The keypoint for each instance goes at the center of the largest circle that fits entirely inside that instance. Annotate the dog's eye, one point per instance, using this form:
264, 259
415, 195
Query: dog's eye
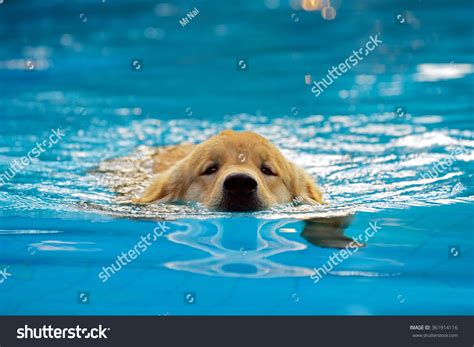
267, 171
210, 170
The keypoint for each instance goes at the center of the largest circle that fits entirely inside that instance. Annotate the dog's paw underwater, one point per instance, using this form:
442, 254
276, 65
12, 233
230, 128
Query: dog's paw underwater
232, 171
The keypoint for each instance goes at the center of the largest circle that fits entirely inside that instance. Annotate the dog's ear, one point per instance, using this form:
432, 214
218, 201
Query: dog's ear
304, 188
167, 186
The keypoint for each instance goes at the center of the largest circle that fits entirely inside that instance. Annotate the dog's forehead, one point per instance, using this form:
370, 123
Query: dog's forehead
241, 139
248, 142
239, 148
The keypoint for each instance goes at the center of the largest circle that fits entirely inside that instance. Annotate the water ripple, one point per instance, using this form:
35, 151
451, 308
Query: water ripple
362, 162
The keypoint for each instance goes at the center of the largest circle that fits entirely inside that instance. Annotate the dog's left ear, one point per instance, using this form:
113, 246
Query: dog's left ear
304, 188
168, 186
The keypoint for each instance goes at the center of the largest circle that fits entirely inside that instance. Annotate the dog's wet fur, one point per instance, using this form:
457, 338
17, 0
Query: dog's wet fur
232, 171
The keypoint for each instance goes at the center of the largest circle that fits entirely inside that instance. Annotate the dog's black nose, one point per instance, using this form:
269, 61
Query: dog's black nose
240, 184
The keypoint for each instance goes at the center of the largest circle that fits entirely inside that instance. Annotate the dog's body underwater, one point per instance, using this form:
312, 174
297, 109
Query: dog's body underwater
232, 171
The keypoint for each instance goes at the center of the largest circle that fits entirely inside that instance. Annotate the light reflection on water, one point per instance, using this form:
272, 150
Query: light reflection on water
370, 163
255, 248
233, 252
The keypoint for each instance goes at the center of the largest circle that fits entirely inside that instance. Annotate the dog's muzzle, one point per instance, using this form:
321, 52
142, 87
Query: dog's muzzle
240, 193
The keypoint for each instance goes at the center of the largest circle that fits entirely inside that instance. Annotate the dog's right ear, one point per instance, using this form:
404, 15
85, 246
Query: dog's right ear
168, 186
303, 186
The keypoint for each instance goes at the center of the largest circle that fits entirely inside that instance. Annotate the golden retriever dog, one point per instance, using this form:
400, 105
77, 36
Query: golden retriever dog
232, 171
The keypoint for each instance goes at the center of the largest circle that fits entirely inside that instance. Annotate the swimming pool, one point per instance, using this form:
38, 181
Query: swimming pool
389, 141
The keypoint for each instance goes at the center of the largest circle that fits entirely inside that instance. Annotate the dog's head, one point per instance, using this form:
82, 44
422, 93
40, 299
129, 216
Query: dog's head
234, 171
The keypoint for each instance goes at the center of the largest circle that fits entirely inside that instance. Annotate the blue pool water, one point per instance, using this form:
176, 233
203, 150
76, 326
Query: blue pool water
70, 66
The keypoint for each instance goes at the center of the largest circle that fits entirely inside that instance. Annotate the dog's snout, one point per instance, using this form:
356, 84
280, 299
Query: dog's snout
240, 183
240, 193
